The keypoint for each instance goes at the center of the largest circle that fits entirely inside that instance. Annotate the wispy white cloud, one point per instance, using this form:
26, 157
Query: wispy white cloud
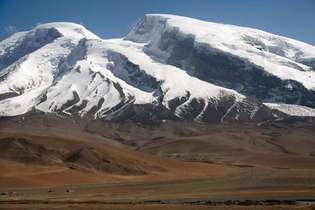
10, 29
36, 24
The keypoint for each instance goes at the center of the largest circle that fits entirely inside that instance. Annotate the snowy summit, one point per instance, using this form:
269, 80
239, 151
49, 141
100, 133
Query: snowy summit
167, 67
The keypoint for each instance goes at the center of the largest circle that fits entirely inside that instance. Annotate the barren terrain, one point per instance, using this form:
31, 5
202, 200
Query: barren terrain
58, 163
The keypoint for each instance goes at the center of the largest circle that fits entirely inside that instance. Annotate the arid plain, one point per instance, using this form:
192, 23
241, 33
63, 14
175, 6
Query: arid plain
51, 162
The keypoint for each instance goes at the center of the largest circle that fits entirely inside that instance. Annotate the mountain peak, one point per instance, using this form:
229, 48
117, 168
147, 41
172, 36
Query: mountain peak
167, 67
252, 45
69, 29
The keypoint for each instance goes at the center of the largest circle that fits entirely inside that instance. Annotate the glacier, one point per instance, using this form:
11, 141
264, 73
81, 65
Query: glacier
166, 67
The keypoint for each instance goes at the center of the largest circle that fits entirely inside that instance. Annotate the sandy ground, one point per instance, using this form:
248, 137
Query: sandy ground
66, 165
152, 207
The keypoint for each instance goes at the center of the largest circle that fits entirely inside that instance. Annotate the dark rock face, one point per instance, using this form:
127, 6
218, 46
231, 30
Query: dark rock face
310, 62
71, 102
4, 96
146, 113
192, 110
223, 69
131, 73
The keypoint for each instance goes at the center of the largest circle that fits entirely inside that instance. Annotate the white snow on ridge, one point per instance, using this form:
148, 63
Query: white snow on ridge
32, 75
36, 37
97, 59
175, 82
292, 109
92, 81
217, 34
76, 70
275, 54
11, 41
70, 30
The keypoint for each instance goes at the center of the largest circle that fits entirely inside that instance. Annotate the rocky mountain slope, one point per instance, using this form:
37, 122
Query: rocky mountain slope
167, 67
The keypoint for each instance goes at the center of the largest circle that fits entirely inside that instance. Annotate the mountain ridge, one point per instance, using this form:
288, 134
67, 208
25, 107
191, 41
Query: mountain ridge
162, 69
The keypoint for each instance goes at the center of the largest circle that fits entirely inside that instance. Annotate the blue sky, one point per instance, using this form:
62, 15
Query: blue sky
114, 18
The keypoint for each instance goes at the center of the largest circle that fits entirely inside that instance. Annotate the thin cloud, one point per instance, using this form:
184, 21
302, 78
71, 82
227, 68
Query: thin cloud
36, 24
10, 29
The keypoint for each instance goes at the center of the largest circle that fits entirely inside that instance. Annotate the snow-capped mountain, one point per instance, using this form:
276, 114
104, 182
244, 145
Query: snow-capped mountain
167, 67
